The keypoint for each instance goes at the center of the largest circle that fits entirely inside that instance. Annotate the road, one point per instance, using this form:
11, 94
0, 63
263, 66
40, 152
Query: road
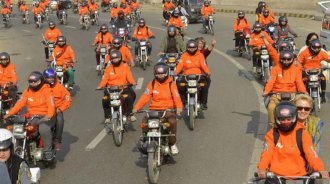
224, 146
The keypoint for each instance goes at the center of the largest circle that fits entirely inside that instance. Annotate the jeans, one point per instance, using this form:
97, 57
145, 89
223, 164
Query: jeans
59, 126
45, 130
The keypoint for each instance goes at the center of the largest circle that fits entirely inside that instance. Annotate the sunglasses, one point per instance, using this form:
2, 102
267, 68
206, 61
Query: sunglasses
305, 108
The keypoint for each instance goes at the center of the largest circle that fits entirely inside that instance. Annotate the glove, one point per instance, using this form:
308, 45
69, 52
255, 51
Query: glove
324, 174
261, 173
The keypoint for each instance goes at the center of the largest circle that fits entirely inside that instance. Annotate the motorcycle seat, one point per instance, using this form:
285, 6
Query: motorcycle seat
191, 77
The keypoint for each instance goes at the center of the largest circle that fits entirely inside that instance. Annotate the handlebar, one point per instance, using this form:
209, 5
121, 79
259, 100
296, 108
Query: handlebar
314, 175
120, 86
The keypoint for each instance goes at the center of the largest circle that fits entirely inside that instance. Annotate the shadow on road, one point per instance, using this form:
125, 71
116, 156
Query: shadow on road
68, 139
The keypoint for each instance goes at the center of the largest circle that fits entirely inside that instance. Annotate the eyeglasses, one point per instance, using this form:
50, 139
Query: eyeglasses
305, 108
3, 150
33, 81
286, 59
285, 118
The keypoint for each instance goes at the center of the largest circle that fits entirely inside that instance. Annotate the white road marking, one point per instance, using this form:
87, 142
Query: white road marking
26, 30
139, 83
96, 140
72, 27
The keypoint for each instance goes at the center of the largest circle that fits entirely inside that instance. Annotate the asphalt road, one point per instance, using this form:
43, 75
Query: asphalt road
221, 149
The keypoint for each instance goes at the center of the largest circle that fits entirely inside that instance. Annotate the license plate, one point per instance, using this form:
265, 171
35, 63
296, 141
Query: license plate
103, 50
192, 90
115, 102
313, 78
171, 60
153, 134
143, 43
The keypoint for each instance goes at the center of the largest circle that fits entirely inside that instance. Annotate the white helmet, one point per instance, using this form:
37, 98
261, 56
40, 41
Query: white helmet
6, 138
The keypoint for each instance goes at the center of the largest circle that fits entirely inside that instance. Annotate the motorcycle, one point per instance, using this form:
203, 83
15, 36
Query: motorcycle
210, 26
193, 105
29, 144
39, 21
143, 53
244, 42
25, 18
46, 13
103, 52
5, 101
138, 14
106, 6
61, 74
75, 7
291, 41
184, 21
264, 64
171, 60
270, 29
6, 21
86, 22
122, 33
63, 17
95, 19
309, 179
157, 142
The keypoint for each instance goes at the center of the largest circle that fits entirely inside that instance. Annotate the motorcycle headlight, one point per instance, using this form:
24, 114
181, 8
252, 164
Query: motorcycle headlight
59, 68
114, 96
96, 12
313, 78
51, 45
264, 52
153, 124
143, 43
18, 129
103, 49
192, 83
247, 36
271, 29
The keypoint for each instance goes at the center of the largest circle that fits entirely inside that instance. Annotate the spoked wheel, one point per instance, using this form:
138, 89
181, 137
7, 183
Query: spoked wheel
266, 74
211, 29
153, 167
317, 106
144, 62
191, 117
117, 132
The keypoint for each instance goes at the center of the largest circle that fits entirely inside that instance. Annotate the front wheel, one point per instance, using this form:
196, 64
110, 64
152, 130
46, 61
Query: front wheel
117, 132
191, 117
153, 167
144, 62
317, 106
266, 76
211, 29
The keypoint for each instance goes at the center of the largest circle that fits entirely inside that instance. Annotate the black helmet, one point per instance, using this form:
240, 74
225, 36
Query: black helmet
286, 111
36, 80
115, 5
206, 3
159, 69
265, 12
4, 59
104, 28
141, 22
261, 4
117, 42
315, 47
115, 57
191, 46
241, 14
286, 58
123, 5
171, 30
175, 13
51, 24
282, 20
61, 41
257, 27
285, 45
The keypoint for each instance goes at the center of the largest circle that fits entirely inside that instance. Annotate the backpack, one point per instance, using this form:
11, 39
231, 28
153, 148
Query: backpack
276, 135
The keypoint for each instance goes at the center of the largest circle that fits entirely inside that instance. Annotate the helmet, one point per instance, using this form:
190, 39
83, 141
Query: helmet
141, 22
175, 13
36, 81
121, 14
115, 57
129, 2
4, 59
36, 4
315, 46
261, 4
51, 24
265, 12
286, 116
286, 58
92, 1
134, 1
206, 3
103, 29
123, 5
161, 72
23, 2
50, 76
191, 46
61, 41
257, 27
284, 45
171, 31
282, 20
6, 139
115, 5
310, 37
241, 14
117, 42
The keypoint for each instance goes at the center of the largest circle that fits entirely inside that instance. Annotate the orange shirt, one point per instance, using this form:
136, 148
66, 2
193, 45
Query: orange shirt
126, 54
43, 5
192, 64
162, 97
168, 6
114, 12
142, 33
126, 11
205, 11
23, 8
117, 76
8, 74
39, 102
103, 39
93, 7
62, 97
52, 34
64, 55
240, 25
5, 11
266, 20
37, 10
256, 41
177, 22
312, 62
284, 158
136, 5
83, 11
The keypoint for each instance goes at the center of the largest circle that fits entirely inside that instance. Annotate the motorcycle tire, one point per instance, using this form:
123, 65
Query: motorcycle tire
153, 168
266, 76
191, 117
117, 132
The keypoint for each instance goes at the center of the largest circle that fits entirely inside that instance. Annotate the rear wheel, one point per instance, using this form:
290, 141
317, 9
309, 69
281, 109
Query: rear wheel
117, 132
191, 117
153, 167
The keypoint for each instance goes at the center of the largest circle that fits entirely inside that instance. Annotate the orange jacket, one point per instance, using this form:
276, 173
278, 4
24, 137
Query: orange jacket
52, 34
39, 102
240, 24
126, 11
266, 20
311, 62
177, 22
142, 33
284, 158
136, 5
62, 97
93, 7
126, 54
192, 64
270, 13
8, 74
5, 11
205, 11
256, 41
23, 8
64, 55
162, 97
43, 5
103, 39
168, 6
83, 11
117, 76
37, 10
114, 12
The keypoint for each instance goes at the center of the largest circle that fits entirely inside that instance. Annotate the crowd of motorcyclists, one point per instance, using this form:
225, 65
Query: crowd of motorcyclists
48, 93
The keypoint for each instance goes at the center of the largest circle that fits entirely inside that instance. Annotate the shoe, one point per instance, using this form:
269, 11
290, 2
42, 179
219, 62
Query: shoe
107, 121
132, 118
98, 67
323, 100
174, 150
203, 106
70, 86
57, 145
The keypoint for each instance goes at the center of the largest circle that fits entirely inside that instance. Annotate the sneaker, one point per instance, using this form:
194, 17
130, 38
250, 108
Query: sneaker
107, 121
98, 67
203, 106
174, 150
323, 100
132, 118
57, 145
